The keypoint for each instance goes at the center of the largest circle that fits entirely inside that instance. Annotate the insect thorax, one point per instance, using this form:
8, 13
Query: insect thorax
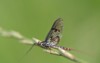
45, 44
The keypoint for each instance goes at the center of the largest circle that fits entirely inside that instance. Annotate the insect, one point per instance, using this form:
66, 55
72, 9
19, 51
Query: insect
53, 37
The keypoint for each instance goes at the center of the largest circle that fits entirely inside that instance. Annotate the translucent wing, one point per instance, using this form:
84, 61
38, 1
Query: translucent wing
54, 34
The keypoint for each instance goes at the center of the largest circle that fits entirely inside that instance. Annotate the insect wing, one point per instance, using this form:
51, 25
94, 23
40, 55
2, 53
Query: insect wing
54, 34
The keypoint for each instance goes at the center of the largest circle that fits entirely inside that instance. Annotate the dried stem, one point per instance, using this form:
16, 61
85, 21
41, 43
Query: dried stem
54, 50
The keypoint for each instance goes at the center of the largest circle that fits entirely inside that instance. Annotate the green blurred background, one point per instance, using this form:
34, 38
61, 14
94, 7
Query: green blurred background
34, 18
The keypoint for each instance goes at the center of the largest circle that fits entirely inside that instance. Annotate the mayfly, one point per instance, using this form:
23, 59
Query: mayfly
53, 37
